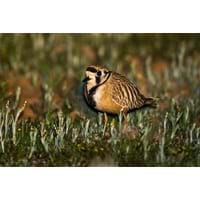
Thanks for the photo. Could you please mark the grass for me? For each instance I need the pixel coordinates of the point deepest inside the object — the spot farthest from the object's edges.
(44, 120)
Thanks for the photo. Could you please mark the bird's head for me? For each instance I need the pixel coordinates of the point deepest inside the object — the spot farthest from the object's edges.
(96, 75)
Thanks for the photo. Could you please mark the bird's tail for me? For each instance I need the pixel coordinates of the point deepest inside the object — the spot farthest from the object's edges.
(151, 101)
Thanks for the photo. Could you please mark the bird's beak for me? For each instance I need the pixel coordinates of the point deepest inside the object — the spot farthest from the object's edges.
(86, 79)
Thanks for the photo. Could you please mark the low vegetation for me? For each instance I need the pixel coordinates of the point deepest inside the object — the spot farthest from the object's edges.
(44, 120)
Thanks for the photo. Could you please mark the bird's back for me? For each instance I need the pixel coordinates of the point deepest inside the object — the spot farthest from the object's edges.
(126, 93)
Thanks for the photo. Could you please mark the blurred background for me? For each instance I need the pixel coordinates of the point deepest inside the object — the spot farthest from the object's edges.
(57, 128)
(47, 69)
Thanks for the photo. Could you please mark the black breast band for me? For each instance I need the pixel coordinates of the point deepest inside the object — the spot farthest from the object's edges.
(89, 94)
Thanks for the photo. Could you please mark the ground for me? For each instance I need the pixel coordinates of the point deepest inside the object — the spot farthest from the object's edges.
(44, 120)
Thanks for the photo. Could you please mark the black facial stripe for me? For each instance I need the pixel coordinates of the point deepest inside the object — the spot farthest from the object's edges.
(99, 73)
(92, 92)
(91, 69)
(98, 80)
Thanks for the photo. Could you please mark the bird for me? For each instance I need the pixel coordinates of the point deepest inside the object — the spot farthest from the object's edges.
(112, 93)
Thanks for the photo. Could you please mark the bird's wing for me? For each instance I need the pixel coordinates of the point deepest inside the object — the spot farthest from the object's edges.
(126, 94)
(118, 95)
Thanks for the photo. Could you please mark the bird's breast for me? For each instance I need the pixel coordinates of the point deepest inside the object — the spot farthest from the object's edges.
(104, 101)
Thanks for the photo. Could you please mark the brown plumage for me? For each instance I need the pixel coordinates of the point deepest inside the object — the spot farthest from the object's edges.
(110, 92)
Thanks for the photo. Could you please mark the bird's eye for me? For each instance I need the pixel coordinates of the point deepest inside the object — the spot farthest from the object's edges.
(99, 73)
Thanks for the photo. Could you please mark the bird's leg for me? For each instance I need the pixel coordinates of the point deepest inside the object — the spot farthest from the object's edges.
(120, 120)
(125, 128)
(105, 123)
(123, 115)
